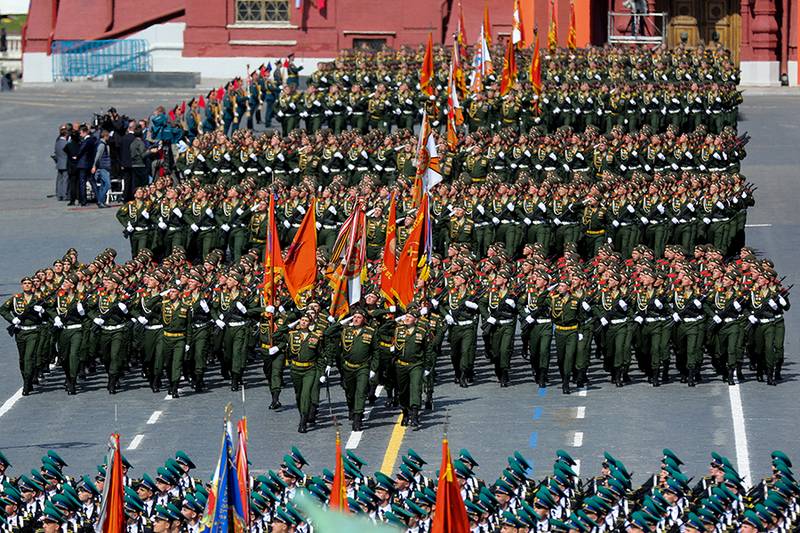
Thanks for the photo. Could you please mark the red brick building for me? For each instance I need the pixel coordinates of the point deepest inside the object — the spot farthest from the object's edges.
(218, 38)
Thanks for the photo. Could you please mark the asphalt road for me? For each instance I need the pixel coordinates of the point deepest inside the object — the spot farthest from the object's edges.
(744, 422)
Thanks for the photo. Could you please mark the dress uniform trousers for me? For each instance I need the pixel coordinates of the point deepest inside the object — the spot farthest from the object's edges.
(566, 346)
(69, 342)
(502, 344)
(688, 345)
(171, 353)
(234, 340)
(27, 342)
(540, 336)
(355, 379)
(303, 378)
(463, 339)
(409, 384)
(768, 340)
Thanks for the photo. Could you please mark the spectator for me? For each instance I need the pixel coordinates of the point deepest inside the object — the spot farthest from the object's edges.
(73, 149)
(101, 169)
(85, 161)
(3, 40)
(60, 159)
(138, 151)
(124, 147)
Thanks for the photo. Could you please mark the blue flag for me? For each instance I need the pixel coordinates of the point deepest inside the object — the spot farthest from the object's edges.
(224, 511)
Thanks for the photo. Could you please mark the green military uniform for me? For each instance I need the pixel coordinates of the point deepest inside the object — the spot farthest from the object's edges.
(688, 332)
(537, 327)
(176, 339)
(110, 313)
(20, 311)
(498, 311)
(354, 349)
(564, 313)
(135, 217)
(68, 314)
(303, 351)
(460, 313)
(230, 306)
(767, 306)
(413, 357)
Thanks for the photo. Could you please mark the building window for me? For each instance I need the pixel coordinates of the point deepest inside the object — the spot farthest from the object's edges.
(373, 44)
(262, 10)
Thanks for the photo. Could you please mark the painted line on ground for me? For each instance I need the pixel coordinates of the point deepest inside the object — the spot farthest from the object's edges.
(534, 439)
(581, 412)
(355, 436)
(8, 404)
(739, 433)
(758, 225)
(582, 392)
(154, 417)
(537, 413)
(393, 449)
(577, 439)
(137, 440)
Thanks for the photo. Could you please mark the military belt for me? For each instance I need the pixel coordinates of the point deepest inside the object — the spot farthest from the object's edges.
(328, 226)
(300, 364)
(139, 228)
(353, 366)
(385, 344)
(504, 221)
(251, 169)
(505, 321)
(595, 232)
(768, 320)
(720, 219)
(206, 228)
(173, 228)
(403, 363)
(362, 169)
(174, 335)
(201, 324)
(543, 320)
(28, 328)
(154, 326)
(113, 328)
(73, 326)
(566, 328)
(619, 320)
(655, 319)
(265, 346)
(692, 319)
(465, 323)
(729, 320)
(242, 323)
(258, 241)
(537, 222)
(567, 223)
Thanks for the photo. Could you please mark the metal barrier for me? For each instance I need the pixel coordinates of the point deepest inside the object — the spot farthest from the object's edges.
(637, 28)
(96, 59)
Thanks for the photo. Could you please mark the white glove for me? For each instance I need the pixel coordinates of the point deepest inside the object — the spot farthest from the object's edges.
(423, 311)
(527, 221)
(697, 303)
(379, 168)
(771, 303)
(142, 320)
(630, 208)
(529, 319)
(350, 166)
(676, 317)
(644, 220)
(495, 221)
(511, 302)
(638, 319)
(510, 206)
(16, 321)
(270, 309)
(225, 227)
(674, 220)
(586, 307)
(146, 215)
(372, 374)
(187, 172)
(332, 209)
(129, 228)
(187, 348)
(286, 224)
(240, 306)
(328, 370)
(690, 207)
(752, 319)
(239, 211)
(122, 307)
(658, 303)
(227, 156)
(716, 319)
(580, 336)
(323, 379)
(209, 212)
(738, 307)
(706, 220)
(449, 319)
(557, 221)
(480, 209)
(434, 302)
(603, 321)
(99, 321)
(331, 319)
(57, 322)
(426, 373)
(623, 305)
(491, 320)
(195, 227)
(220, 324)
(39, 309)
(471, 305)
(541, 206)
(782, 301)
(81, 310)
(162, 225)
(273, 350)
(318, 225)
(178, 212)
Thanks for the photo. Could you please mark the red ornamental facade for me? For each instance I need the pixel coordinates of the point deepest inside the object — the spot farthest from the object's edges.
(219, 38)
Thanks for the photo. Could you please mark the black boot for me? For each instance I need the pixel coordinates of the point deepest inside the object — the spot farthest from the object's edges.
(404, 421)
(71, 386)
(739, 373)
(729, 375)
(112, 384)
(656, 377)
(350, 415)
(199, 383)
(565, 385)
(778, 368)
(771, 377)
(235, 381)
(582, 381)
(690, 377)
(155, 385)
(542, 378)
(27, 386)
(462, 381)
(665, 374)
(620, 378)
(312, 416)
(372, 396)
(358, 422)
(626, 377)
(504, 381)
(173, 389)
(303, 427)
(276, 403)
(414, 423)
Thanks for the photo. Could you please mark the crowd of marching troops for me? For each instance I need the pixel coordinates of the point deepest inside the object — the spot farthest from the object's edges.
(668, 500)
(600, 87)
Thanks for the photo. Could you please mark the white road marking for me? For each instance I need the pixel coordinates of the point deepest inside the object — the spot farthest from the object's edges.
(137, 440)
(577, 439)
(758, 225)
(355, 436)
(577, 467)
(8, 404)
(154, 417)
(739, 434)
(581, 412)
(582, 392)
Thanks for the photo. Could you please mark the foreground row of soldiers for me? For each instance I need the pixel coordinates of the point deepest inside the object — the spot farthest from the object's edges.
(666, 501)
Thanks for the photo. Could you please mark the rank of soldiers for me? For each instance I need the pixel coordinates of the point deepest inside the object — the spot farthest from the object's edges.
(667, 500)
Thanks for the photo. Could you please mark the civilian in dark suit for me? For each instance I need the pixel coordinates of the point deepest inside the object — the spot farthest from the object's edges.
(124, 154)
(85, 161)
(60, 159)
(73, 149)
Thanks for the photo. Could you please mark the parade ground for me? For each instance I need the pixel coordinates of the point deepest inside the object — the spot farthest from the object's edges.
(744, 422)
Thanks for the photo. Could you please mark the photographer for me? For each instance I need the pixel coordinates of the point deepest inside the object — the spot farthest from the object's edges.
(101, 170)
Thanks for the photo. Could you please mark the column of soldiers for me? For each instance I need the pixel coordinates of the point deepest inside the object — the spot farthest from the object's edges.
(49, 500)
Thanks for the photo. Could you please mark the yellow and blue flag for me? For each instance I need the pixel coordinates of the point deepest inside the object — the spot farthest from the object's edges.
(225, 509)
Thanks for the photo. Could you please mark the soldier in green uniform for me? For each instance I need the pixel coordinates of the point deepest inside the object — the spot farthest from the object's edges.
(24, 312)
(768, 302)
(564, 313)
(413, 361)
(725, 315)
(68, 314)
(232, 217)
(199, 342)
(460, 228)
(231, 309)
(613, 311)
(170, 222)
(653, 315)
(461, 314)
(688, 315)
(110, 315)
(352, 346)
(176, 337)
(303, 349)
(135, 217)
(498, 308)
(593, 222)
(145, 309)
(199, 216)
(536, 324)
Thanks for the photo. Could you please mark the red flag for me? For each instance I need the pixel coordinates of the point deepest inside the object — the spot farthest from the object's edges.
(389, 252)
(450, 515)
(201, 102)
(552, 34)
(487, 26)
(572, 34)
(112, 513)
(322, 4)
(220, 93)
(348, 263)
(300, 264)
(273, 262)
(535, 74)
(426, 73)
(405, 276)
(509, 74)
(183, 107)
(338, 501)
(243, 470)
